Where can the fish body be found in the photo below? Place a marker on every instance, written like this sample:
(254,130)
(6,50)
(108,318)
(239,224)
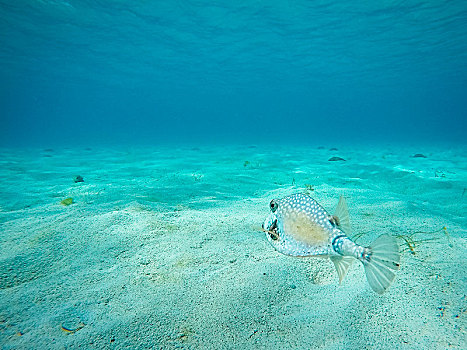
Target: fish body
(299,226)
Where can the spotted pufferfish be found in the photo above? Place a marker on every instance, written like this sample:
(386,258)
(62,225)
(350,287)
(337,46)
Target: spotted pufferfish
(298,226)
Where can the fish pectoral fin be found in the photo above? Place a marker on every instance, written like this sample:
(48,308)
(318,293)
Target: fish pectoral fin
(342,264)
(342,213)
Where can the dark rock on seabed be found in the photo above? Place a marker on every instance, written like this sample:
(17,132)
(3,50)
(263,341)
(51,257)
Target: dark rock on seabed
(336,159)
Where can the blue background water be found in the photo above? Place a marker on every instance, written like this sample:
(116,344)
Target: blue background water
(87,72)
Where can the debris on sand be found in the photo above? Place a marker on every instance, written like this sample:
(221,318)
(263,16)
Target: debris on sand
(78,178)
(336,159)
(67,201)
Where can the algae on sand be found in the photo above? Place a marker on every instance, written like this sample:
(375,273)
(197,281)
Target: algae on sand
(67,201)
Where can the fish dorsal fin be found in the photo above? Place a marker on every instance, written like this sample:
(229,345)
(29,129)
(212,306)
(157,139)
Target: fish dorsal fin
(342,264)
(342,213)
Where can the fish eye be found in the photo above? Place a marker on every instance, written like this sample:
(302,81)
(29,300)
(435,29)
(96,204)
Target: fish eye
(273,205)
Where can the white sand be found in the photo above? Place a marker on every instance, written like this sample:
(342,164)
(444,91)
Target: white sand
(161,249)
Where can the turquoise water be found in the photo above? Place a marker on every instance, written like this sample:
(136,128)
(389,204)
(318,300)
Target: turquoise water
(145,72)
(184,119)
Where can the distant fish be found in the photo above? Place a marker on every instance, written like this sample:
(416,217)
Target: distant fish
(299,226)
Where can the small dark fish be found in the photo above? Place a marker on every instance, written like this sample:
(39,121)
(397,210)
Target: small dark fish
(299,226)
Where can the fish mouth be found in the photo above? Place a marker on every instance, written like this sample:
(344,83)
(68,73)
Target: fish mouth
(272,231)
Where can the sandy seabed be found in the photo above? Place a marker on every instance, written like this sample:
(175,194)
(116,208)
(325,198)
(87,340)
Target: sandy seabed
(161,249)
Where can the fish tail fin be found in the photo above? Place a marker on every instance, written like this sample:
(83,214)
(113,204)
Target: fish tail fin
(381,261)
